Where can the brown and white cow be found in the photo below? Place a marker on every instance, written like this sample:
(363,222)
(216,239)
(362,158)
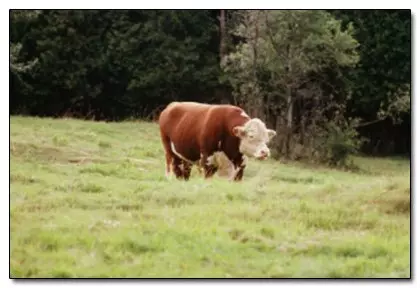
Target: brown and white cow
(206,135)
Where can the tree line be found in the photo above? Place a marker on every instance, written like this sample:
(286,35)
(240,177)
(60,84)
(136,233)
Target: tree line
(330,82)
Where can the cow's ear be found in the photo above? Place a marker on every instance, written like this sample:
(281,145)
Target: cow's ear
(271,134)
(239,131)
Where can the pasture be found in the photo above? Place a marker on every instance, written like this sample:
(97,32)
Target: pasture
(89,199)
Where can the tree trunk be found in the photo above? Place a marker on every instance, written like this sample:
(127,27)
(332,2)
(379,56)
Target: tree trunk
(257,100)
(302,118)
(222,20)
(279,126)
(289,121)
(302,131)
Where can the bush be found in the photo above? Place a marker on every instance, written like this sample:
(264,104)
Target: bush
(325,142)
(337,143)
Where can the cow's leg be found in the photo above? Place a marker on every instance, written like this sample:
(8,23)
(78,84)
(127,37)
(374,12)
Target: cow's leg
(169,160)
(187,170)
(239,174)
(240,165)
(181,168)
(209,168)
(178,167)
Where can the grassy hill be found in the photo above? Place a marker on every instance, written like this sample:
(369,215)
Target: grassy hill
(90,200)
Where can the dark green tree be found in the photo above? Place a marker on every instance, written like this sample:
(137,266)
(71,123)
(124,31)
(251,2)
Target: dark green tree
(381,82)
(115,63)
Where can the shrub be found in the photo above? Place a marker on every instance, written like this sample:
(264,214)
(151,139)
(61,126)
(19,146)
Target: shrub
(337,143)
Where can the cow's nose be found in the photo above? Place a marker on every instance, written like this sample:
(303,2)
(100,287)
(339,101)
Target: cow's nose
(263,154)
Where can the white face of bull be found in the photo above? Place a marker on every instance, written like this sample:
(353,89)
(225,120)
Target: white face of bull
(254,137)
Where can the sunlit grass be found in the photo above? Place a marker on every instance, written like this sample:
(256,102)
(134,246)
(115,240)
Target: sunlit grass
(89,199)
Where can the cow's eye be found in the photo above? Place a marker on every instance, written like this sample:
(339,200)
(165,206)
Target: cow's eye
(251,136)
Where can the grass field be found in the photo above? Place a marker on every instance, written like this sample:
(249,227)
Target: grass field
(91,200)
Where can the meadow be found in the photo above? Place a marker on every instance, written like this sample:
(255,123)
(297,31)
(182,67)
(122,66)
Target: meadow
(90,199)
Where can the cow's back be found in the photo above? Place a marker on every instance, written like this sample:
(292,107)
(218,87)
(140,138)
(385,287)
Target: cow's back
(180,117)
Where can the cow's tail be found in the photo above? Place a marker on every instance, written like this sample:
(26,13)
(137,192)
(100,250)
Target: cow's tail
(168,152)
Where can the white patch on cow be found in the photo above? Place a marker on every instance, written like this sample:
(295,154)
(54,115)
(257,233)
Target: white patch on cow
(179,155)
(219,145)
(210,160)
(244,161)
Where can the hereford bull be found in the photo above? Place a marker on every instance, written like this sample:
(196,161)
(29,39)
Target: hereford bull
(201,134)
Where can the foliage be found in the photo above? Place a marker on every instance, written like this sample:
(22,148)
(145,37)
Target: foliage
(21,18)
(15,65)
(385,66)
(291,44)
(18,65)
(336,143)
(113,64)
(282,53)
(397,103)
(381,81)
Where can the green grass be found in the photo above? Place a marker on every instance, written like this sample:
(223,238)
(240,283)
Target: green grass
(90,200)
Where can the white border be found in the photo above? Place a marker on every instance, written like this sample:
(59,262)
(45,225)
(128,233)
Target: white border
(191,4)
